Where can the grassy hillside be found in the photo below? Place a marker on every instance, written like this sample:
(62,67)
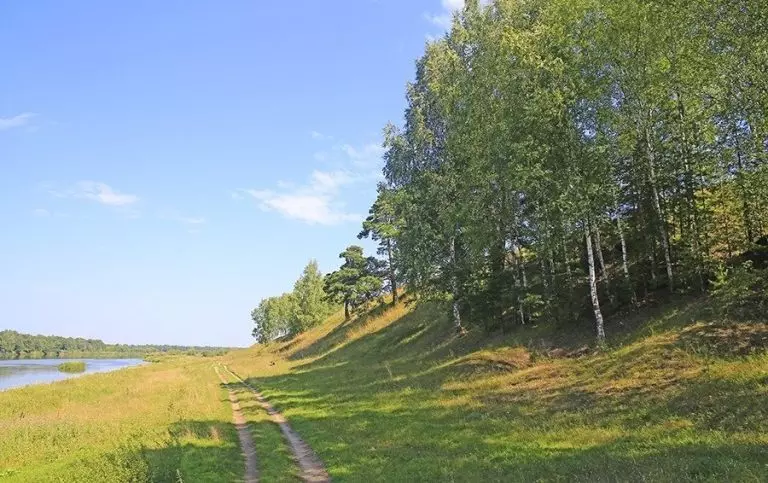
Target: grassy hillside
(396,396)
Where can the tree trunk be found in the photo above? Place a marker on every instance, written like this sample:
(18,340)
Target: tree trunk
(624,257)
(346,310)
(659,213)
(567,261)
(749,230)
(455,290)
(593,289)
(599,250)
(603,272)
(552,268)
(392,274)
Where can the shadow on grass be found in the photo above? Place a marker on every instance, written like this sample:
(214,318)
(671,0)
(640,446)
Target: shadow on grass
(406,403)
(400,436)
(194,451)
(275,460)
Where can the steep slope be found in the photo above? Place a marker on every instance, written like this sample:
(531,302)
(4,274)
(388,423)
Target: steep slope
(394,395)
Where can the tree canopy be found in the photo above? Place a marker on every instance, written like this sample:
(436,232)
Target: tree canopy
(563,159)
(356,282)
(560,157)
(15,345)
(292,312)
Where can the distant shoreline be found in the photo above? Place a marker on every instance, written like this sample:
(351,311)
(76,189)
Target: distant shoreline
(77,355)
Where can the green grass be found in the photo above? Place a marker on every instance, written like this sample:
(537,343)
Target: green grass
(151,423)
(276,463)
(676,396)
(72,366)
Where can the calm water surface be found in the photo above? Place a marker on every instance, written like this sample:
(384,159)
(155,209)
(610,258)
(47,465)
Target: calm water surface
(17,373)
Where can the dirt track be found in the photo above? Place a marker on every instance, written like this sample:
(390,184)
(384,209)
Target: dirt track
(312,468)
(246,439)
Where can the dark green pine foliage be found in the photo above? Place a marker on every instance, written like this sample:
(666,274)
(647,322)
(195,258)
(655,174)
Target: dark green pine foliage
(356,282)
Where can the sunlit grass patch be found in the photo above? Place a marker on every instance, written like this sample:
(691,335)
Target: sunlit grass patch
(399,397)
(151,423)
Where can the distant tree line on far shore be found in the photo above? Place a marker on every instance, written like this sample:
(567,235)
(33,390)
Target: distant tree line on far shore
(15,345)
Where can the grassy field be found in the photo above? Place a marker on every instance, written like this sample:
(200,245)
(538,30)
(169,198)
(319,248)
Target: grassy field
(677,396)
(395,395)
(160,422)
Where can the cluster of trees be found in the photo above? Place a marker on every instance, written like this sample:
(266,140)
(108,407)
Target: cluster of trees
(293,312)
(564,157)
(15,345)
(560,159)
(356,282)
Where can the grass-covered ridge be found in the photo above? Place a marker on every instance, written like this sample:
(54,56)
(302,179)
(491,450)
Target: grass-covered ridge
(676,395)
(395,395)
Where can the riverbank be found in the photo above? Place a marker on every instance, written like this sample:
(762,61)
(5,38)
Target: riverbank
(24,372)
(395,395)
(74,355)
(150,423)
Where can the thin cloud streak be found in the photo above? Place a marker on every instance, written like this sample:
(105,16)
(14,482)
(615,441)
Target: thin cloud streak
(20,120)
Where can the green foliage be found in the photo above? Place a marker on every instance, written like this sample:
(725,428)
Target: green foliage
(293,312)
(14,345)
(356,282)
(274,317)
(741,292)
(72,366)
(383,224)
(310,300)
(536,130)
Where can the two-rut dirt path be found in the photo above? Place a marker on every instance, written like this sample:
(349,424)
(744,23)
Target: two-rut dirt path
(312,469)
(244,434)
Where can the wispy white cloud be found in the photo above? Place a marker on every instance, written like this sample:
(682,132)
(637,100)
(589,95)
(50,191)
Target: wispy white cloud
(316,202)
(188,220)
(20,120)
(101,193)
(97,192)
(444,18)
(318,136)
(191,222)
(41,212)
(320,200)
(366,156)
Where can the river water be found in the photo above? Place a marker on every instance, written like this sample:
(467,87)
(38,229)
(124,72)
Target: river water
(22,372)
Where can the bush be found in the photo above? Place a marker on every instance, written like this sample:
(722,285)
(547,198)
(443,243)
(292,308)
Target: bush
(741,292)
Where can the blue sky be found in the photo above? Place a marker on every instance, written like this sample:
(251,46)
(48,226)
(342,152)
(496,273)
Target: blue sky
(165,165)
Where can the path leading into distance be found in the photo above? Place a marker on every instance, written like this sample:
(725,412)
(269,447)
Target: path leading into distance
(244,434)
(312,468)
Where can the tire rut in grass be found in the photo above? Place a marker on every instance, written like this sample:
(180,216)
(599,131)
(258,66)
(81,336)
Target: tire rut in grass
(312,468)
(244,434)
